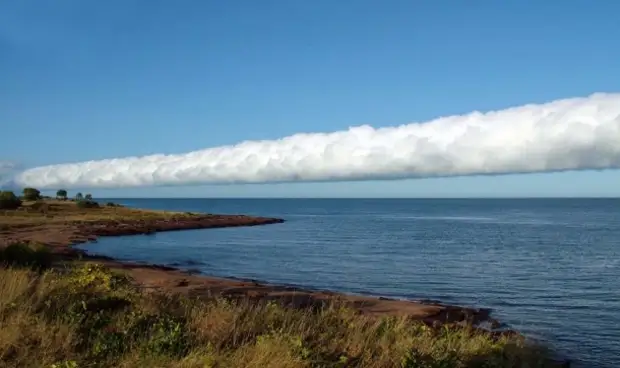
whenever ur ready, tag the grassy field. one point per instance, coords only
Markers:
(88, 316)
(54, 211)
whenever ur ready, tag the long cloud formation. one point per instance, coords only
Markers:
(569, 134)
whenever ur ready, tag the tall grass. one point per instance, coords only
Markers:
(91, 317)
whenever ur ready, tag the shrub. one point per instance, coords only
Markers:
(25, 255)
(31, 194)
(9, 201)
(86, 204)
(88, 197)
(95, 277)
(79, 196)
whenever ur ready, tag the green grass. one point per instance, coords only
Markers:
(88, 316)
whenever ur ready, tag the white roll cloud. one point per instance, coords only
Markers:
(569, 134)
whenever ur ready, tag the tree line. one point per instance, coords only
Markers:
(8, 199)
(62, 195)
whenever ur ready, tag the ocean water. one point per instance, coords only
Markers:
(547, 267)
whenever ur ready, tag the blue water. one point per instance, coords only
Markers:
(547, 267)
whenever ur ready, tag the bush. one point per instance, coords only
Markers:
(87, 204)
(9, 201)
(24, 255)
(31, 194)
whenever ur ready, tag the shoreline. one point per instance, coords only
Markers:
(172, 278)
(61, 238)
(298, 296)
(61, 227)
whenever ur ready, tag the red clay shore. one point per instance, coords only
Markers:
(61, 236)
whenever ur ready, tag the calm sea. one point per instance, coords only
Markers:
(547, 267)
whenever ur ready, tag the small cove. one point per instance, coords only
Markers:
(547, 267)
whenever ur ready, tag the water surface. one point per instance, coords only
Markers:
(547, 267)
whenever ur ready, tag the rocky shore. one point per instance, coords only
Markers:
(136, 227)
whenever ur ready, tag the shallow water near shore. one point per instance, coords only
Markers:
(547, 267)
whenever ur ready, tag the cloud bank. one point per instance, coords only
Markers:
(569, 134)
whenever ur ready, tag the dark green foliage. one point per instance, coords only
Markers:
(79, 196)
(9, 201)
(61, 194)
(31, 194)
(84, 203)
(106, 344)
(88, 197)
(168, 336)
(24, 255)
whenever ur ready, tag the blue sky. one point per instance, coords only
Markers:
(85, 80)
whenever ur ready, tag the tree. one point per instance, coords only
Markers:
(9, 201)
(79, 196)
(61, 194)
(86, 204)
(88, 197)
(31, 194)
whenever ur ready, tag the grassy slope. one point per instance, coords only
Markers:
(53, 212)
(88, 316)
